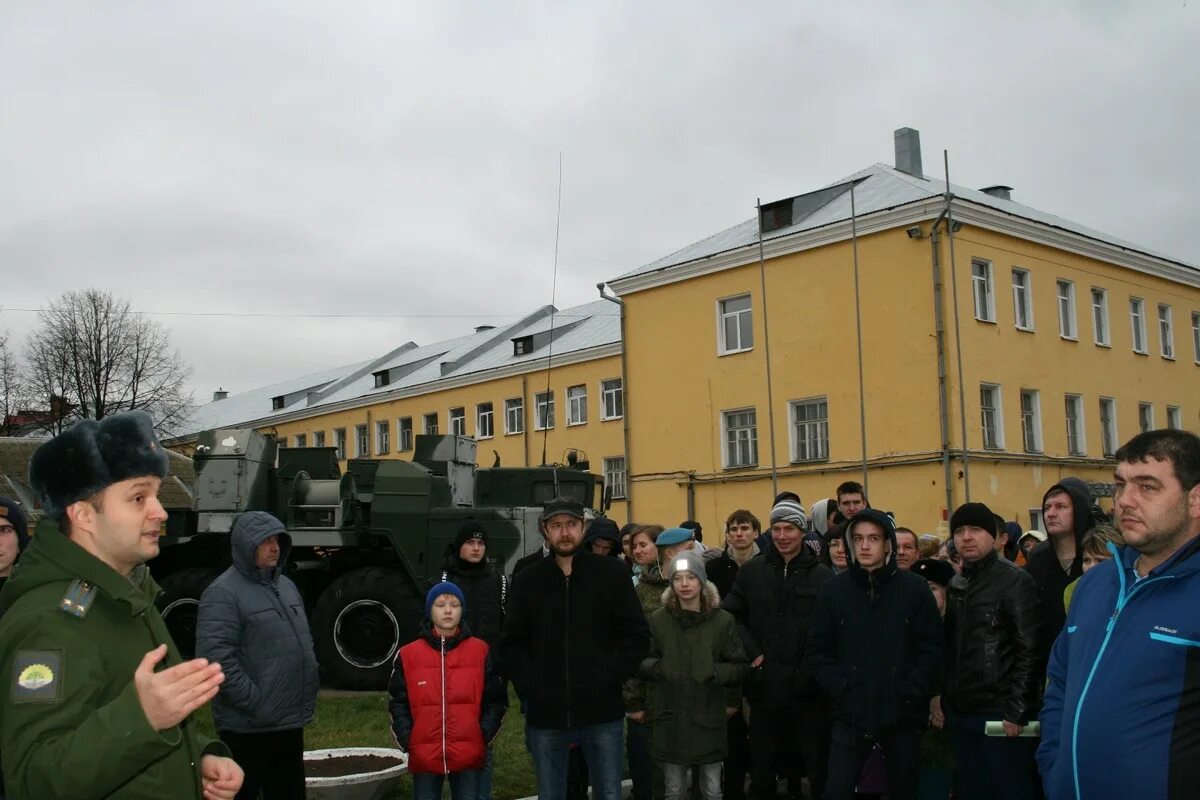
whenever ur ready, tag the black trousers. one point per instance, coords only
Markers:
(737, 765)
(847, 755)
(792, 734)
(273, 763)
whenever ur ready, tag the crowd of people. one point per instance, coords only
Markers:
(830, 651)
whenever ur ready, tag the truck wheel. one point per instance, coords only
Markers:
(180, 604)
(360, 622)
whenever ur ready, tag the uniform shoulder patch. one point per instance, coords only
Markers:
(37, 676)
(78, 599)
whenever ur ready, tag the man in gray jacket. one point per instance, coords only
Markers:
(252, 621)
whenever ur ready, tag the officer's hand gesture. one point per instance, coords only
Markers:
(167, 697)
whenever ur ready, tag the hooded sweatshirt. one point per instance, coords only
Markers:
(1042, 564)
(875, 641)
(252, 620)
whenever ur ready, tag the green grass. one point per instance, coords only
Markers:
(362, 721)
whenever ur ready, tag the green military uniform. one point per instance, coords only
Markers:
(72, 633)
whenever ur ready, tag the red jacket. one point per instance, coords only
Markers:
(447, 702)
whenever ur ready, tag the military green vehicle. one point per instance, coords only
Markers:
(364, 543)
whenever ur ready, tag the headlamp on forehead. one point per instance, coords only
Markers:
(681, 565)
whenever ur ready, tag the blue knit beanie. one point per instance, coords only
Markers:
(445, 587)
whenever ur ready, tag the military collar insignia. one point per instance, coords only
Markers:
(78, 599)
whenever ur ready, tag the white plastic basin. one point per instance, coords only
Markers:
(363, 786)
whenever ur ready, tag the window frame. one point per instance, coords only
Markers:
(1022, 299)
(821, 423)
(430, 430)
(1101, 329)
(540, 400)
(1068, 323)
(998, 418)
(339, 442)
(726, 461)
(1137, 326)
(1034, 430)
(383, 437)
(403, 446)
(1166, 331)
(512, 404)
(1145, 416)
(1196, 335)
(1108, 427)
(1079, 447)
(576, 404)
(606, 392)
(988, 282)
(722, 314)
(300, 440)
(456, 421)
(623, 472)
(318, 438)
(1175, 418)
(362, 441)
(490, 415)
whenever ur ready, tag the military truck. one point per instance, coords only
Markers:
(365, 543)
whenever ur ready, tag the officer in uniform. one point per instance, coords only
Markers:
(94, 699)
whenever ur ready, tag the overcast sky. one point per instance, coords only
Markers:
(402, 159)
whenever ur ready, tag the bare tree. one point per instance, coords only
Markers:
(91, 356)
(12, 388)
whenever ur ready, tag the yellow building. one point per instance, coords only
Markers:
(492, 384)
(1001, 349)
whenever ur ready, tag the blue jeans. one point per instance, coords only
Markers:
(483, 787)
(602, 749)
(463, 785)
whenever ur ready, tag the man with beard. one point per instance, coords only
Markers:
(574, 633)
(1122, 705)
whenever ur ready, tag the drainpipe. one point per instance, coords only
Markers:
(940, 338)
(524, 420)
(625, 405)
(962, 397)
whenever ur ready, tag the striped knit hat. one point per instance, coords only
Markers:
(790, 511)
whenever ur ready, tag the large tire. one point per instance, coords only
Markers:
(180, 604)
(360, 621)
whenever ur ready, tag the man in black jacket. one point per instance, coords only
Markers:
(993, 624)
(485, 590)
(875, 647)
(1055, 563)
(773, 598)
(574, 633)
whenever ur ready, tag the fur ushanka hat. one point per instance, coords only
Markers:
(91, 456)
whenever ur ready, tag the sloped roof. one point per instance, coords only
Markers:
(877, 188)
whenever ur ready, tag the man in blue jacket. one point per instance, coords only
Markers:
(1122, 707)
(251, 619)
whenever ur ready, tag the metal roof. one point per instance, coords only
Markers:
(877, 188)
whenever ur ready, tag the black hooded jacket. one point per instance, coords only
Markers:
(773, 602)
(485, 592)
(1042, 564)
(875, 643)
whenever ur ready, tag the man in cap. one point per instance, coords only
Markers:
(96, 701)
(875, 647)
(773, 598)
(251, 621)
(992, 626)
(574, 633)
(14, 535)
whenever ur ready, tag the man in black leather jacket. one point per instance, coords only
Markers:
(993, 623)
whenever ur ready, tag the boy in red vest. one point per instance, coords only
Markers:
(447, 700)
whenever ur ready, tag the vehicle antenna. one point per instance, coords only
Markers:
(553, 292)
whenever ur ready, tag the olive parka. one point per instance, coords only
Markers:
(71, 724)
(695, 667)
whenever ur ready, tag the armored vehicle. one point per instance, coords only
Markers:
(365, 542)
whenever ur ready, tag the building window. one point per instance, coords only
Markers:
(1108, 426)
(301, 440)
(458, 421)
(1100, 317)
(1022, 299)
(1166, 331)
(543, 411)
(404, 434)
(615, 477)
(612, 399)
(382, 378)
(276, 403)
(339, 441)
(484, 429)
(1076, 443)
(431, 424)
(522, 345)
(1031, 420)
(741, 438)
(810, 429)
(990, 420)
(318, 438)
(1145, 417)
(735, 334)
(383, 437)
(576, 405)
(361, 445)
(1137, 323)
(982, 291)
(1196, 336)
(1175, 418)
(514, 415)
(1066, 310)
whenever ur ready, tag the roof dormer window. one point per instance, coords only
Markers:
(277, 403)
(522, 345)
(382, 378)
